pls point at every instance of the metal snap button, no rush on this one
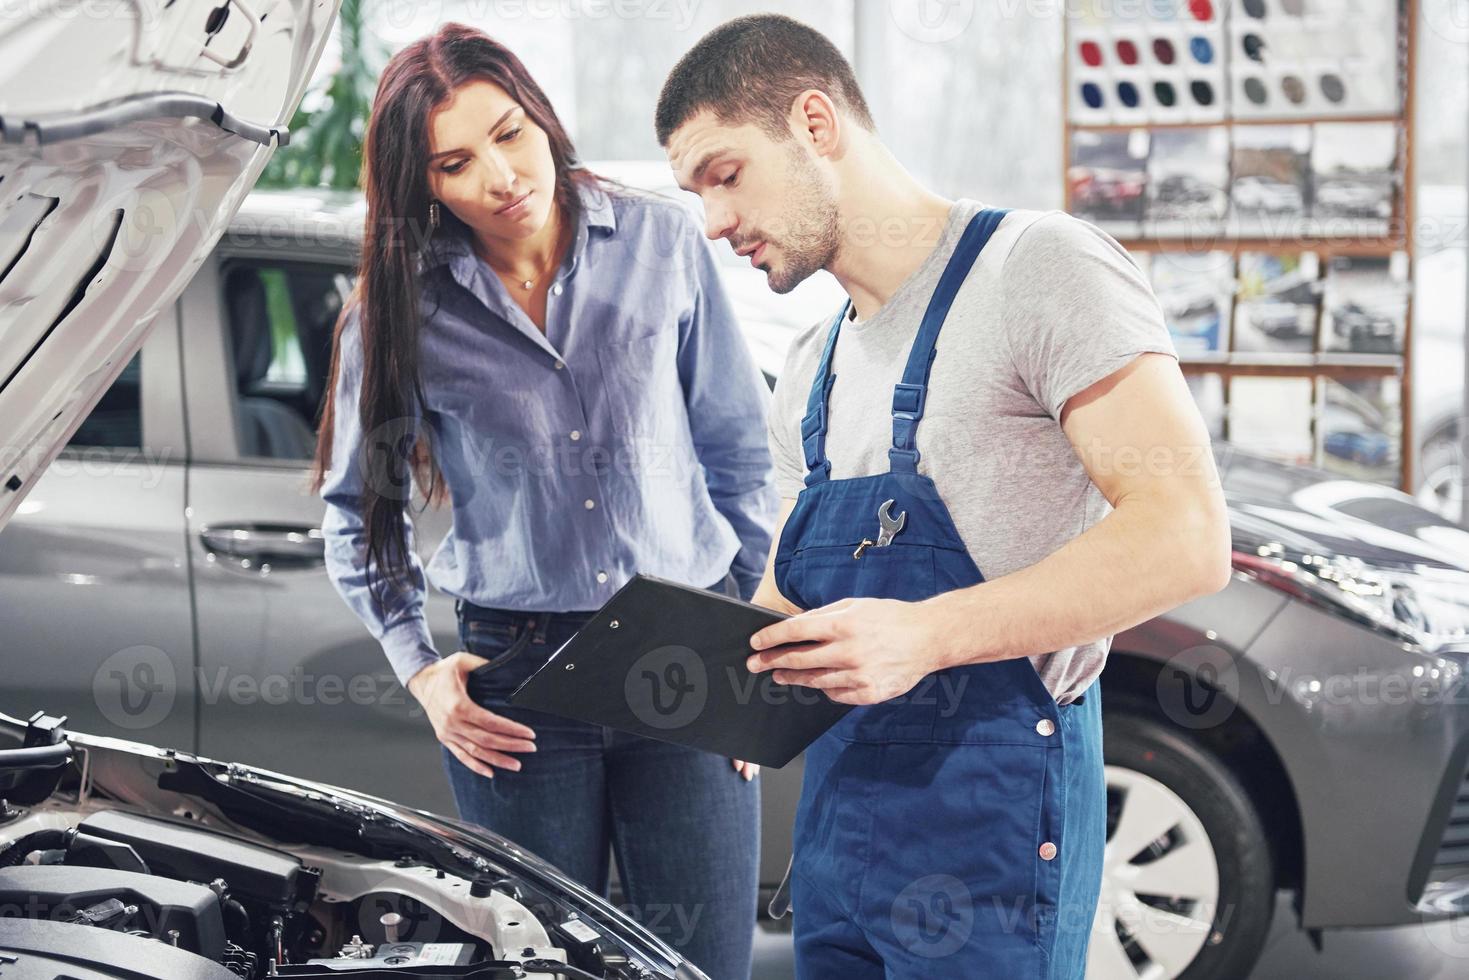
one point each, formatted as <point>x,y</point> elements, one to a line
<point>1046,727</point>
<point>1048,851</point>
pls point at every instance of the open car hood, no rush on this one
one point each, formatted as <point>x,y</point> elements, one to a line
<point>300,875</point>
<point>130,131</point>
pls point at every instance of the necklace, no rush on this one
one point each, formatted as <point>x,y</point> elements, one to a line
<point>526,284</point>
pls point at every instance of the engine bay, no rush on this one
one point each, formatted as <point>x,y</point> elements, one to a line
<point>125,865</point>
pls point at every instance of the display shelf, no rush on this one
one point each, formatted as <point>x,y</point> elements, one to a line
<point>1327,247</point>
<point>1337,371</point>
<point>1142,228</point>
<point>1228,123</point>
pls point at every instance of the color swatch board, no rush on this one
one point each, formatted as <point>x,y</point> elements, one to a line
<point>1170,61</point>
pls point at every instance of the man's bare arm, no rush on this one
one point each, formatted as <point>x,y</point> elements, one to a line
<point>1166,541</point>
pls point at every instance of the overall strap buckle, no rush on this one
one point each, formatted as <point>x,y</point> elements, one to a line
<point>818,408</point>
<point>911,394</point>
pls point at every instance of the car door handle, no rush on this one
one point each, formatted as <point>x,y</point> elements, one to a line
<point>279,545</point>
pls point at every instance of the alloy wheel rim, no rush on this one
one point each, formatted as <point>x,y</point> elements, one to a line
<point>1160,883</point>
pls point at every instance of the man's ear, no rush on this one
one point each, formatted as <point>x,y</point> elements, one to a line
<point>815,121</point>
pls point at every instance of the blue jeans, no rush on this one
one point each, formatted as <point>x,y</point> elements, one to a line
<point>685,827</point>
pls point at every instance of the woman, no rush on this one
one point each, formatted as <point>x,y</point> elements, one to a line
<point>554,355</point>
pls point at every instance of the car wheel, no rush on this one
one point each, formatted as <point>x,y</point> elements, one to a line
<point>1441,490</point>
<point>1188,888</point>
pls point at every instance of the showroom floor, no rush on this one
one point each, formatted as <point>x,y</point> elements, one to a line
<point>1436,952</point>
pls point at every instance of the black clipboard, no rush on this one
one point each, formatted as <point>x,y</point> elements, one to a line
<point>667,661</point>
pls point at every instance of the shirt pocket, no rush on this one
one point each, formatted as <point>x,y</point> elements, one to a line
<point>641,383</point>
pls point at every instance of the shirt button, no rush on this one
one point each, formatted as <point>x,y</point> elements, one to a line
<point>559,365</point>
<point>601,576</point>
<point>1046,727</point>
<point>575,435</point>
<point>590,504</point>
<point>556,290</point>
<point>1048,851</point>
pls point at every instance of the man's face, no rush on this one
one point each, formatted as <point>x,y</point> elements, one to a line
<point>769,197</point>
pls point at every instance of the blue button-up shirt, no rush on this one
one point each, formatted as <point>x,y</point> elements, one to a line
<point>629,437</point>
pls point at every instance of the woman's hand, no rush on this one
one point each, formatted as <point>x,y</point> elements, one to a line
<point>478,738</point>
<point>747,769</point>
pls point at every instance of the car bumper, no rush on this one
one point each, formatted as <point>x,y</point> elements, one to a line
<point>1374,738</point>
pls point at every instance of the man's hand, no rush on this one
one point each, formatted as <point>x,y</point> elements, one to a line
<point>859,651</point>
<point>477,738</point>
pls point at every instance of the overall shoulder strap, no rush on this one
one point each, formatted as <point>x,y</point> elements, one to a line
<point>813,425</point>
<point>912,392</point>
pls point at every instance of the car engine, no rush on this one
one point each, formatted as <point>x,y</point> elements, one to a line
<point>122,862</point>
<point>228,908</point>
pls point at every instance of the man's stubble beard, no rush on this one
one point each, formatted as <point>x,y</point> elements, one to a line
<point>814,238</point>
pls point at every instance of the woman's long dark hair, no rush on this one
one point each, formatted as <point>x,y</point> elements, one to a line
<point>417,80</point>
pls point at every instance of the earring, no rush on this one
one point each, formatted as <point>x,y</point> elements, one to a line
<point>433,215</point>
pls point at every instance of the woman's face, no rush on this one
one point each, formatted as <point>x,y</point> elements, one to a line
<point>490,164</point>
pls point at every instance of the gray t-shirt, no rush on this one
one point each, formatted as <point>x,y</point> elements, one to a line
<point>1052,305</point>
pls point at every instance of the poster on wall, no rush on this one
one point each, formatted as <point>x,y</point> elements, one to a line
<point>1188,177</point>
<point>1365,308</point>
<point>1353,178</point>
<point>1361,426</point>
<point>1194,290</point>
<point>1276,308</point>
<point>1268,180</point>
<point>1107,177</point>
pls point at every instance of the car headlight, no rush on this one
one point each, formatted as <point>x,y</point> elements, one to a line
<point>1423,606</point>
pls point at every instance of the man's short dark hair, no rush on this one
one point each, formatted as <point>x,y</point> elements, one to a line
<point>750,70</point>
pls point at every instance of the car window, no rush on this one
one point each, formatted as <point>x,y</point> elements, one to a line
<point>116,422</point>
<point>281,316</point>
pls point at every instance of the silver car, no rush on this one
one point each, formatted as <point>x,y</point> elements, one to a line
<point>171,560</point>
<point>174,553</point>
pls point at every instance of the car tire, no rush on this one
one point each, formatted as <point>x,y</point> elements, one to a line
<point>1215,926</point>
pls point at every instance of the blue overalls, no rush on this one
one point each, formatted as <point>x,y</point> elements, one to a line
<point>956,831</point>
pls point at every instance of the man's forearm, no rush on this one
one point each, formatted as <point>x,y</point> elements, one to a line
<point>1128,568</point>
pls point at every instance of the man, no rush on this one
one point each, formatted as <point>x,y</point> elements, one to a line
<point>970,514</point>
